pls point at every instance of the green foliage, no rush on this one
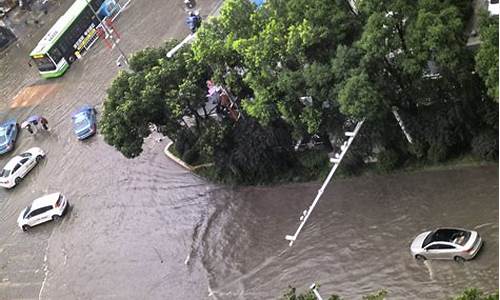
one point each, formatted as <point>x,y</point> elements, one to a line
<point>388,160</point>
<point>468,294</point>
<point>475,294</point>
<point>380,295</point>
<point>485,145</point>
<point>148,57</point>
<point>185,140</point>
<point>251,153</point>
<point>352,66</point>
<point>291,294</point>
<point>437,152</point>
<point>359,98</point>
<point>126,114</point>
<point>487,56</point>
<point>418,149</point>
<point>190,156</point>
<point>314,164</point>
<point>159,92</point>
<point>437,34</point>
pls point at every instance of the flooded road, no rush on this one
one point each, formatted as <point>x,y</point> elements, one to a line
<point>147,229</point>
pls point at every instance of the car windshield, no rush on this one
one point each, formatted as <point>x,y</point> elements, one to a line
<point>3,135</point>
<point>5,173</point>
<point>25,154</point>
<point>81,121</point>
<point>455,236</point>
<point>26,211</point>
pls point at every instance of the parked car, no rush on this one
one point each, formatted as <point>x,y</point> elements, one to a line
<point>17,168</point>
<point>8,136</point>
<point>446,243</point>
<point>84,122</point>
<point>46,208</point>
<point>6,36</point>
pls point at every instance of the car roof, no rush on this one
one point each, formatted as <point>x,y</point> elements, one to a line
<point>44,201</point>
<point>437,235</point>
<point>13,162</point>
<point>80,116</point>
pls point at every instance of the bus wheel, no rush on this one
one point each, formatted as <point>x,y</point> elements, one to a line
<point>72,58</point>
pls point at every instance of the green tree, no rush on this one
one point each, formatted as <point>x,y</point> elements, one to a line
<point>291,294</point>
<point>160,91</point>
<point>487,56</point>
<point>475,294</point>
<point>288,57</point>
<point>359,98</point>
<point>250,153</point>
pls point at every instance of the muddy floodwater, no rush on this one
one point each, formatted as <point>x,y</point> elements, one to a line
<point>148,229</point>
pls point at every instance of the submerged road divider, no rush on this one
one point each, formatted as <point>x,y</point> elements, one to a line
<point>180,161</point>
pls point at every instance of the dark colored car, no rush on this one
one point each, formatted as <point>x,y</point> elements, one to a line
<point>6,37</point>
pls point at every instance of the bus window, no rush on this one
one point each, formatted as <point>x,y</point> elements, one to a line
<point>55,54</point>
<point>96,4</point>
<point>44,63</point>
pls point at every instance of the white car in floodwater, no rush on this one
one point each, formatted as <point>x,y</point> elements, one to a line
<point>19,166</point>
<point>47,208</point>
<point>446,243</point>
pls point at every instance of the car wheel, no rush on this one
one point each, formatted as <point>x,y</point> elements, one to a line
<point>420,257</point>
<point>39,158</point>
<point>18,180</point>
<point>55,218</point>
<point>459,259</point>
<point>26,227</point>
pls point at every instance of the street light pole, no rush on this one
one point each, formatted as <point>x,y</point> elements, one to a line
<point>314,289</point>
<point>106,30</point>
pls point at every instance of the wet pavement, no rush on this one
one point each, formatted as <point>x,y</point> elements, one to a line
<point>148,229</point>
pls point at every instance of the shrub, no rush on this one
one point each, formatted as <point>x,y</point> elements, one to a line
<point>190,156</point>
<point>185,141</point>
<point>314,164</point>
<point>418,149</point>
<point>475,294</point>
<point>388,160</point>
<point>485,145</point>
<point>437,153</point>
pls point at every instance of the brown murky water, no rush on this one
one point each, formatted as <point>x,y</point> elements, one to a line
<point>148,229</point>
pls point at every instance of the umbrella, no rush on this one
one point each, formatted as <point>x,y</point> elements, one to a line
<point>25,124</point>
<point>31,119</point>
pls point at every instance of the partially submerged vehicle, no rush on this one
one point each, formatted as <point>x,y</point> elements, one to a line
<point>446,243</point>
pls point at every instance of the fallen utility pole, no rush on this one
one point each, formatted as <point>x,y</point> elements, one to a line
<point>336,162</point>
<point>314,289</point>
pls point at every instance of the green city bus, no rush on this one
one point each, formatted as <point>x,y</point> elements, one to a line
<point>72,34</point>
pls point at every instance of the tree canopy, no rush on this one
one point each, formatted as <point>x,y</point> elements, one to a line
<point>487,56</point>
<point>308,68</point>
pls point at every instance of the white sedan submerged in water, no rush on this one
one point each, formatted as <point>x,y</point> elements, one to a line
<point>446,243</point>
<point>17,168</point>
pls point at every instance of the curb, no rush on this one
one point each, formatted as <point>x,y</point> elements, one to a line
<point>180,162</point>
<point>175,158</point>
